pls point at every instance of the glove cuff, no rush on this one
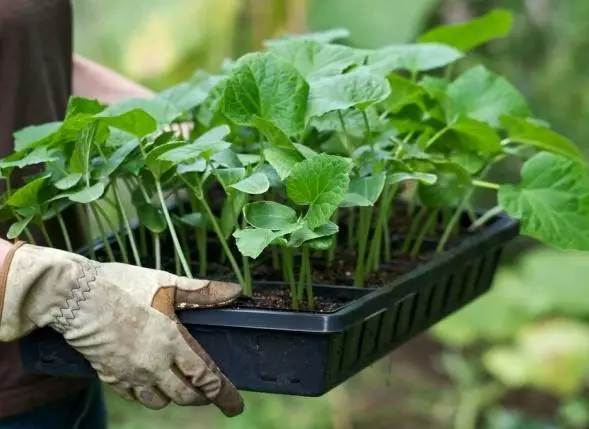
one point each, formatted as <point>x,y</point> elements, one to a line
<point>4,273</point>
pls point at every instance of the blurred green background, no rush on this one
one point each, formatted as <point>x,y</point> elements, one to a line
<point>517,358</point>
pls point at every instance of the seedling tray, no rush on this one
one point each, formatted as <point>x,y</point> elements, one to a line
<point>308,354</point>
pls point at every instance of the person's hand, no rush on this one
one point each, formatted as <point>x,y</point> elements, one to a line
<point>122,319</point>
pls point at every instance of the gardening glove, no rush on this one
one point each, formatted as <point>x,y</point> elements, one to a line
<point>122,319</point>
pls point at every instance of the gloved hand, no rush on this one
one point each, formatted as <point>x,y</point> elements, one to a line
<point>122,319</point>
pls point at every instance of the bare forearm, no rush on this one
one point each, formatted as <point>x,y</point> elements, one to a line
<point>92,80</point>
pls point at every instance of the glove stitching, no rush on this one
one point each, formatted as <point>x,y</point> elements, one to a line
<point>83,287</point>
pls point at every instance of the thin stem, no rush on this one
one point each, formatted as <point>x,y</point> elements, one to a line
<point>123,214</point>
<point>309,282</point>
<point>366,125</point>
<point>66,236</point>
<point>217,229</point>
<point>430,221</point>
<point>436,136</point>
<point>364,230</point>
<point>183,235</point>
<point>246,266</point>
<point>88,233</point>
<point>414,228</point>
<point>177,246</point>
<point>485,184</point>
<point>275,258</point>
<point>158,251</point>
<point>45,233</point>
<point>331,250</point>
<point>375,252</point>
<point>116,233</point>
<point>452,224</point>
<point>351,227</point>
<point>345,140</point>
<point>302,277</point>
<point>201,243</point>
<point>177,263</point>
<point>105,239</point>
<point>289,274</point>
<point>490,214</point>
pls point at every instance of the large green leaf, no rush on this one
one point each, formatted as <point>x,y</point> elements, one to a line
<point>251,242</point>
<point>136,121</point>
<point>452,184</point>
<point>17,228</point>
<point>275,136</point>
<point>471,34</point>
<point>152,217</point>
<point>523,131</point>
<point>412,57</point>
<point>207,145</point>
<point>39,155</point>
<point>305,234</point>
<point>552,201</point>
<point>35,135</point>
<point>320,182</point>
<point>255,184</point>
<point>364,191</point>
<point>155,162</point>
<point>282,160</point>
<point>28,195</point>
<point>358,88</point>
<point>88,194</point>
<point>266,86</point>
<point>118,157</point>
<point>327,36</point>
<point>89,136</point>
<point>353,121</point>
<point>403,92</point>
<point>270,215</point>
<point>472,135</point>
<point>184,96</point>
<point>315,60</point>
<point>68,181</point>
<point>484,96</point>
<point>143,112</point>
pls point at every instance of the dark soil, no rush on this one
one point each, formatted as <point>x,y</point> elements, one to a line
<point>280,300</point>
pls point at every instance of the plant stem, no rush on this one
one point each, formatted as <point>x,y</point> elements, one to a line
<point>289,274</point>
<point>105,239</point>
<point>374,254</point>
<point>345,140</point>
<point>430,221</point>
<point>414,228</point>
<point>452,224</point>
<point>275,259</point>
<point>366,125</point>
<point>309,278</point>
<point>116,233</point>
<point>158,251</point>
<point>88,232</point>
<point>331,250</point>
<point>351,227</point>
<point>45,233</point>
<point>177,246</point>
<point>246,266</point>
<point>364,231</point>
<point>485,184</point>
<point>66,236</point>
<point>123,214</point>
<point>220,236</point>
<point>183,235</point>
<point>436,136</point>
<point>302,277</point>
<point>490,214</point>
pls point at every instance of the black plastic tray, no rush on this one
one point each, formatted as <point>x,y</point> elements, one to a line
<point>307,354</point>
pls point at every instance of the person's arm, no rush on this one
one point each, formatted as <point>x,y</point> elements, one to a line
<point>122,319</point>
<point>92,80</point>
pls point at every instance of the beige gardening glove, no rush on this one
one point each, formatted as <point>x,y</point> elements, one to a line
<point>122,319</point>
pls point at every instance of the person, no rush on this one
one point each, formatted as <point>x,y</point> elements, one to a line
<point>120,317</point>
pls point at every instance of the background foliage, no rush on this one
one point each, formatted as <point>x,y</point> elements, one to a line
<point>515,358</point>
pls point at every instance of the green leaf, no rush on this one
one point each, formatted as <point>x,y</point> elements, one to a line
<point>305,234</point>
<point>269,215</point>
<point>522,131</point>
<point>251,242</point>
<point>137,115</point>
<point>255,184</point>
<point>68,181</point>
<point>27,195</point>
<point>403,92</point>
<point>194,220</point>
<point>231,210</point>
<point>88,194</point>
<point>184,96</point>
<point>152,217</point>
<point>35,135</point>
<point>275,136</point>
<point>156,164</point>
<point>83,106</point>
<point>477,136</point>
<point>364,191</point>
<point>360,88</point>
<point>266,86</point>
<point>485,96</point>
<point>552,201</point>
<point>282,160</point>
<point>412,57</point>
<point>425,178</point>
<point>468,35</point>
<point>207,145</point>
<point>353,122</point>
<point>230,176</point>
<point>80,159</point>
<point>39,155</point>
<point>326,36</point>
<point>320,182</point>
<point>315,59</point>
<point>451,186</point>
<point>17,228</point>
<point>118,157</point>
<point>211,109</point>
